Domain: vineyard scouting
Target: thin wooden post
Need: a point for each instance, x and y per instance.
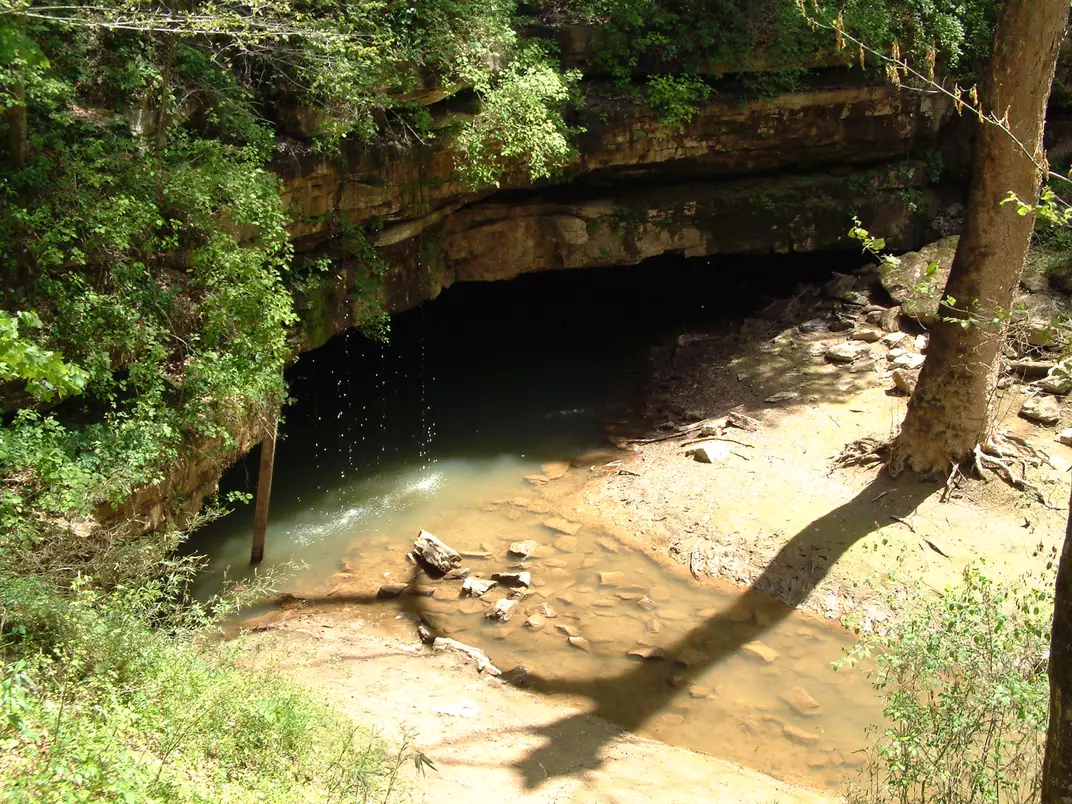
(264, 494)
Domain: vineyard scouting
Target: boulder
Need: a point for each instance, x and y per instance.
(839, 286)
(525, 548)
(905, 380)
(502, 610)
(909, 360)
(866, 334)
(847, 352)
(435, 553)
(917, 279)
(711, 452)
(1043, 409)
(477, 587)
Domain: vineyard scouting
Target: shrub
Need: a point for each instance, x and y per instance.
(966, 696)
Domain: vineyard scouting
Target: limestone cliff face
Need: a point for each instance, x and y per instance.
(784, 174)
(780, 175)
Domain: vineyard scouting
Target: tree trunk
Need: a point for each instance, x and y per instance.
(17, 128)
(951, 409)
(1057, 768)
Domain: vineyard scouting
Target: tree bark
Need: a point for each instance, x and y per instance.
(951, 409)
(1057, 767)
(17, 128)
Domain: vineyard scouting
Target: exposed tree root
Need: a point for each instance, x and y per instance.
(1006, 455)
(864, 452)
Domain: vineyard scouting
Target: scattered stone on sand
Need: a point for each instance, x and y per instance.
(1065, 437)
(535, 622)
(457, 574)
(483, 663)
(847, 352)
(761, 651)
(893, 339)
(696, 691)
(502, 611)
(653, 626)
(614, 578)
(424, 633)
(799, 736)
(477, 587)
(483, 555)
(690, 657)
(676, 681)
(1042, 409)
(520, 593)
(562, 525)
(555, 469)
(416, 590)
(781, 396)
(513, 578)
(711, 452)
(609, 545)
(866, 334)
(800, 701)
(568, 630)
(580, 642)
(646, 603)
(546, 610)
(631, 596)
(904, 380)
(646, 654)
(909, 360)
(567, 544)
(435, 553)
(605, 603)
(525, 548)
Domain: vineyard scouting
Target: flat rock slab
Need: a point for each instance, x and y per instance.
(435, 553)
(614, 578)
(525, 548)
(759, 650)
(389, 590)
(483, 663)
(799, 700)
(799, 736)
(562, 525)
(848, 352)
(513, 578)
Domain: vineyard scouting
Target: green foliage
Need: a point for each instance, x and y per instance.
(677, 99)
(519, 123)
(964, 682)
(45, 373)
(107, 698)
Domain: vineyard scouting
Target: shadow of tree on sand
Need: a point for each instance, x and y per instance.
(630, 699)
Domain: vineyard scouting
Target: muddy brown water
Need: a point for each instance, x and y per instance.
(468, 428)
